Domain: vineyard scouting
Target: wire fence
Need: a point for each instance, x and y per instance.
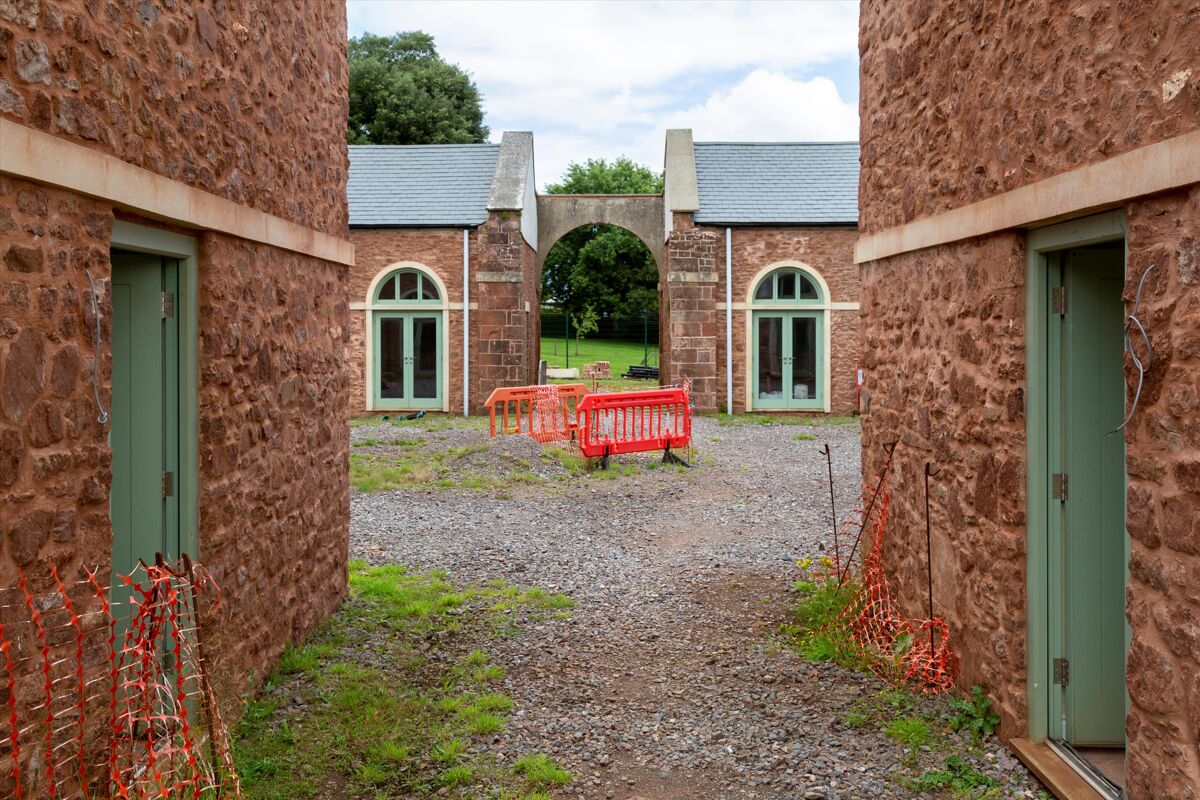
(623, 341)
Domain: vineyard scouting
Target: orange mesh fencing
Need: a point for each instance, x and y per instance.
(514, 409)
(111, 699)
(912, 652)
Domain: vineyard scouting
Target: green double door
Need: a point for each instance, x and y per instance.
(787, 365)
(1088, 540)
(408, 359)
(144, 427)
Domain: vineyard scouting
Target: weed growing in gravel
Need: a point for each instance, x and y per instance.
(974, 715)
(389, 701)
(541, 770)
(805, 437)
(958, 777)
(815, 635)
(912, 732)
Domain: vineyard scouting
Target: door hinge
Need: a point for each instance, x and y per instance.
(168, 305)
(168, 484)
(1058, 300)
(1058, 486)
(1062, 672)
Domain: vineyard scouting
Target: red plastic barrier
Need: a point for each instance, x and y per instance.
(515, 407)
(633, 422)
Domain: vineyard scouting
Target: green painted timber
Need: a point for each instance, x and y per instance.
(407, 359)
(1044, 245)
(791, 332)
(1091, 528)
(144, 432)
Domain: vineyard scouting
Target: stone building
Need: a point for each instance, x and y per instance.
(450, 242)
(173, 312)
(1030, 215)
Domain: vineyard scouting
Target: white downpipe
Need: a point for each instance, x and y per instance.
(729, 321)
(466, 322)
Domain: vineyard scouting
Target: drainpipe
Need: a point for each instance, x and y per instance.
(466, 370)
(729, 321)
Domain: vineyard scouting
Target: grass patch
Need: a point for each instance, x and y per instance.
(619, 354)
(432, 422)
(387, 700)
(416, 469)
(912, 732)
(541, 770)
(804, 437)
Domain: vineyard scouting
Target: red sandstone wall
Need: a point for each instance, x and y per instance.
(961, 101)
(274, 503)
(246, 100)
(944, 361)
(1163, 459)
(274, 438)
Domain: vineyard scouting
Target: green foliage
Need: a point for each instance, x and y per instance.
(379, 705)
(603, 266)
(587, 321)
(957, 777)
(911, 732)
(974, 715)
(815, 633)
(541, 770)
(402, 92)
(598, 176)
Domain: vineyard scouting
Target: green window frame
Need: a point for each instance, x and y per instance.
(788, 286)
(407, 287)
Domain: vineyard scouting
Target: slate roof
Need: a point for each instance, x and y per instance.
(420, 185)
(760, 183)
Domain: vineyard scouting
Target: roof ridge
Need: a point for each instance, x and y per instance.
(779, 144)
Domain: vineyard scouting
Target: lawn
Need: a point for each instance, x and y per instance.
(620, 354)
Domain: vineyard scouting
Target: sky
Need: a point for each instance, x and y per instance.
(605, 79)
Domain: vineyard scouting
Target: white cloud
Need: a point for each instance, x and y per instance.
(769, 106)
(600, 79)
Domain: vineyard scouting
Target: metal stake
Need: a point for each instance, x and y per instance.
(837, 553)
(929, 472)
(887, 466)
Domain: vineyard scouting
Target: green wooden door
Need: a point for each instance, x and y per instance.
(408, 359)
(1087, 531)
(144, 429)
(787, 370)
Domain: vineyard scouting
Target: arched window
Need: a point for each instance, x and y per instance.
(789, 347)
(787, 285)
(405, 359)
(406, 286)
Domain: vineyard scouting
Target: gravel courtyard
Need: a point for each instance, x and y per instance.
(665, 682)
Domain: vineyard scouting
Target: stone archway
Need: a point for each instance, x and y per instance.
(640, 214)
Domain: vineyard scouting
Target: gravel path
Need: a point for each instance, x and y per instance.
(665, 683)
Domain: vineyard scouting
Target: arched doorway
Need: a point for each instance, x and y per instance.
(406, 339)
(601, 303)
(788, 323)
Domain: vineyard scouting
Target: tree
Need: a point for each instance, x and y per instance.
(597, 176)
(586, 323)
(603, 266)
(402, 92)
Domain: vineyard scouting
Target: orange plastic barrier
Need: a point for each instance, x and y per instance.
(515, 406)
(633, 422)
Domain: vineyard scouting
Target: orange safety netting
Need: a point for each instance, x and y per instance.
(111, 698)
(552, 420)
(913, 652)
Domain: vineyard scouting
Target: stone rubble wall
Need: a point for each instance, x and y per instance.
(1163, 504)
(246, 100)
(944, 363)
(688, 323)
(273, 435)
(962, 101)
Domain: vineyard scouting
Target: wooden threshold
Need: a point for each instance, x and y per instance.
(1057, 775)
